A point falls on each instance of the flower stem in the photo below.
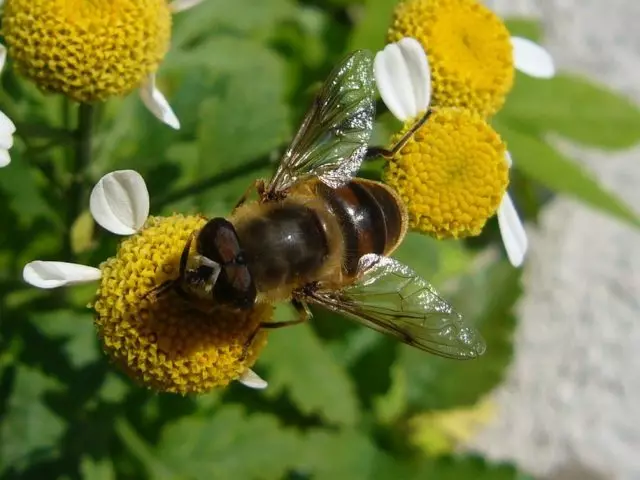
(211, 182)
(81, 159)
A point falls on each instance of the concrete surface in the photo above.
(570, 407)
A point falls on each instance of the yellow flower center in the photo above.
(167, 343)
(88, 50)
(468, 47)
(451, 174)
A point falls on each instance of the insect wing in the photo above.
(333, 138)
(391, 298)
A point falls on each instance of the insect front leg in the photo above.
(303, 315)
(175, 283)
(375, 152)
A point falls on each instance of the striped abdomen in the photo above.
(371, 216)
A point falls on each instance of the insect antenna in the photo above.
(374, 152)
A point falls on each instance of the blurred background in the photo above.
(554, 397)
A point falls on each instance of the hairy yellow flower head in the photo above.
(88, 50)
(469, 50)
(167, 343)
(451, 174)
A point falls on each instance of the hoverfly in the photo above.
(318, 235)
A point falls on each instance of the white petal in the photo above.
(120, 202)
(156, 103)
(3, 52)
(182, 5)
(532, 59)
(402, 75)
(419, 72)
(513, 234)
(5, 159)
(7, 127)
(58, 274)
(508, 159)
(251, 379)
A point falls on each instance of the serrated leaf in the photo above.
(22, 186)
(575, 108)
(344, 454)
(243, 16)
(75, 329)
(30, 430)
(230, 444)
(486, 299)
(247, 120)
(300, 363)
(541, 162)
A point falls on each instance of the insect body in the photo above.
(318, 235)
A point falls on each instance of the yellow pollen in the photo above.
(451, 174)
(468, 47)
(167, 343)
(88, 50)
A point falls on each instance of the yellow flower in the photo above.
(92, 50)
(471, 53)
(452, 173)
(165, 343)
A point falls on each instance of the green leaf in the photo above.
(468, 468)
(546, 165)
(23, 186)
(485, 298)
(75, 329)
(525, 27)
(29, 431)
(247, 120)
(343, 454)
(371, 27)
(433, 259)
(242, 16)
(101, 469)
(230, 444)
(300, 363)
(575, 108)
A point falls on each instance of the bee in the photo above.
(318, 235)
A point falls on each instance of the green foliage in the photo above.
(334, 400)
(228, 445)
(30, 430)
(240, 76)
(573, 108)
(546, 165)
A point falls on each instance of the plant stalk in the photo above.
(81, 160)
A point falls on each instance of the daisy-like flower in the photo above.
(7, 128)
(93, 50)
(165, 343)
(471, 52)
(453, 172)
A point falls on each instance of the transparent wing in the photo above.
(333, 138)
(391, 298)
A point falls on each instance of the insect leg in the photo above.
(304, 314)
(375, 152)
(175, 283)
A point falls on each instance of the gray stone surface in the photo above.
(570, 407)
